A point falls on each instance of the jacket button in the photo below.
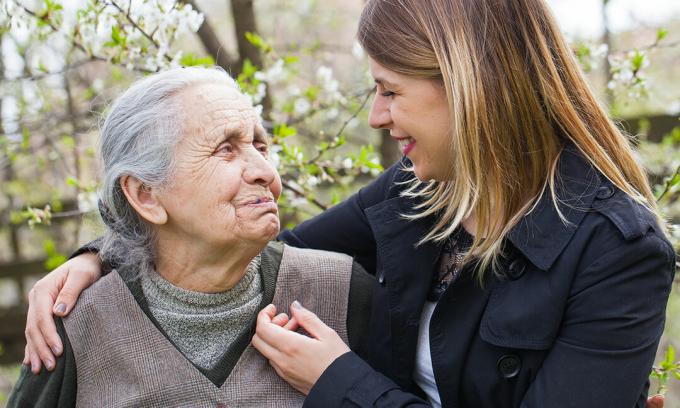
(516, 269)
(509, 366)
(604, 192)
(381, 279)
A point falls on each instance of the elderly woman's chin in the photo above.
(260, 222)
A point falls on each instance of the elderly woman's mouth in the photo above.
(264, 202)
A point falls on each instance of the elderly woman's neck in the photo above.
(204, 270)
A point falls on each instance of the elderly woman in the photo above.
(190, 203)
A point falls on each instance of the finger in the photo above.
(267, 314)
(46, 329)
(278, 337)
(292, 325)
(35, 340)
(309, 321)
(281, 319)
(27, 356)
(655, 401)
(269, 352)
(74, 282)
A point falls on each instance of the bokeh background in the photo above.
(63, 61)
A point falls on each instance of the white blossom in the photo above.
(87, 201)
(301, 106)
(274, 74)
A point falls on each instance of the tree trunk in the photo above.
(606, 39)
(211, 43)
(243, 13)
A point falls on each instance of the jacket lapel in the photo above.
(406, 270)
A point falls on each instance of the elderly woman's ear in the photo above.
(144, 200)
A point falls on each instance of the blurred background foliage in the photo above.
(62, 62)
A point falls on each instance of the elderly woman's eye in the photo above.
(225, 148)
(262, 148)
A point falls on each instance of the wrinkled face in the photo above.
(416, 112)
(224, 189)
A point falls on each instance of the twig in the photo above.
(302, 194)
(342, 128)
(138, 28)
(668, 184)
(70, 214)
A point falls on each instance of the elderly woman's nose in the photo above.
(379, 117)
(258, 170)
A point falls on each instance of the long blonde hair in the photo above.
(515, 94)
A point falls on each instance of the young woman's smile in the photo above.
(416, 112)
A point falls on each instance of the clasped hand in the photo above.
(298, 359)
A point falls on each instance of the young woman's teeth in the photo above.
(405, 142)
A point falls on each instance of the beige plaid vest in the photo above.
(122, 359)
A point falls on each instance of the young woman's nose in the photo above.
(379, 117)
(258, 170)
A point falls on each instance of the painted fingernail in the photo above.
(49, 364)
(61, 308)
(55, 350)
(296, 305)
(34, 368)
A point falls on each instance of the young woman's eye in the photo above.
(387, 93)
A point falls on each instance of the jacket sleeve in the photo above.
(344, 227)
(610, 332)
(48, 389)
(351, 382)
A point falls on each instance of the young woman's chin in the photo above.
(425, 173)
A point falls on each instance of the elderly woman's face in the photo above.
(224, 189)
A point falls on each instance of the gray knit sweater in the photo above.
(204, 325)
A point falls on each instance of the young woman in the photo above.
(518, 255)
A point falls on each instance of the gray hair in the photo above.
(138, 139)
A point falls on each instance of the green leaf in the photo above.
(73, 182)
(670, 352)
(312, 93)
(661, 33)
(190, 60)
(258, 42)
(283, 131)
(637, 60)
(25, 139)
(290, 60)
(54, 257)
(68, 141)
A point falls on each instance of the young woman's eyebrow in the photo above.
(384, 82)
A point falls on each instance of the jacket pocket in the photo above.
(523, 314)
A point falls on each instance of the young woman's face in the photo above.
(416, 112)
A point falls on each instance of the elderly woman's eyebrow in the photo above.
(260, 135)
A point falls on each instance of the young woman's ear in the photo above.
(144, 200)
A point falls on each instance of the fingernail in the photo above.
(49, 364)
(61, 308)
(297, 305)
(34, 368)
(55, 350)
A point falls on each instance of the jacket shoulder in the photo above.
(317, 255)
(630, 217)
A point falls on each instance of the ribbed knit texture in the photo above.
(204, 325)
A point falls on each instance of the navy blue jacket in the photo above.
(574, 319)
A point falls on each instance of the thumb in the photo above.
(309, 321)
(656, 401)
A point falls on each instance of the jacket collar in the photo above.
(542, 235)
